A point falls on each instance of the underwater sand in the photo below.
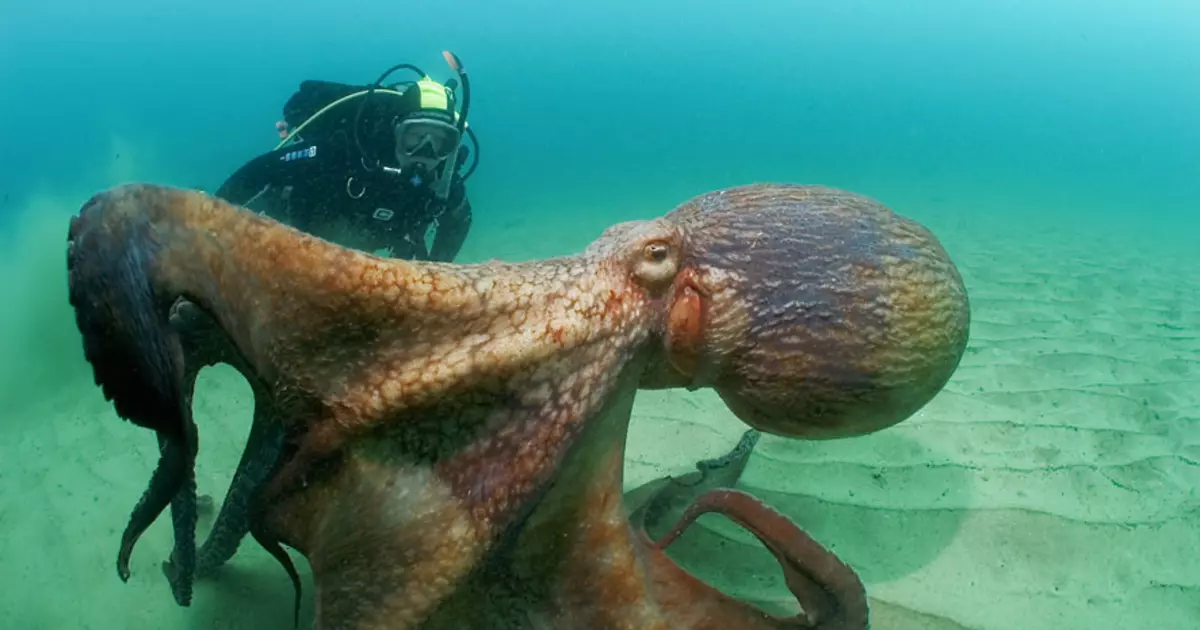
(1052, 485)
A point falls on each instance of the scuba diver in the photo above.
(370, 167)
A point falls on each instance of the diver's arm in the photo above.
(250, 180)
(452, 230)
(300, 166)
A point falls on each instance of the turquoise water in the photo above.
(1008, 127)
(1087, 107)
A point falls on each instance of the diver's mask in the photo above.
(424, 140)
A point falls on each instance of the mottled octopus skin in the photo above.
(454, 434)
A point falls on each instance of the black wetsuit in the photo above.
(321, 185)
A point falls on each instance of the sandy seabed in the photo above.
(1052, 485)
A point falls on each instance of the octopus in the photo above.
(444, 443)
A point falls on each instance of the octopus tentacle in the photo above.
(233, 521)
(733, 462)
(173, 461)
(830, 593)
(204, 344)
(173, 474)
(270, 543)
(663, 501)
(179, 569)
(194, 330)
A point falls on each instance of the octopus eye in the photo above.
(656, 268)
(657, 252)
